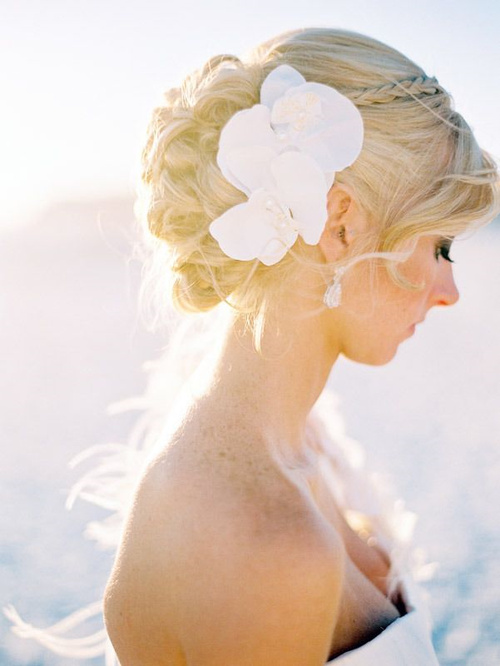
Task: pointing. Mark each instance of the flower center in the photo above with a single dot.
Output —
(299, 111)
(283, 220)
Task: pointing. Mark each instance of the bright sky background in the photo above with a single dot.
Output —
(79, 77)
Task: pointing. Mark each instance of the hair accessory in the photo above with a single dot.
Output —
(283, 154)
(333, 293)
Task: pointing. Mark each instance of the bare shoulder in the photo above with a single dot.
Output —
(223, 569)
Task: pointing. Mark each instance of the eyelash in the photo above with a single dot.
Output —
(443, 249)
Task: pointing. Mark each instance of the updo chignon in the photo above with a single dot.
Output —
(420, 172)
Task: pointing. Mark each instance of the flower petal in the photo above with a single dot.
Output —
(329, 179)
(278, 82)
(301, 185)
(249, 166)
(249, 231)
(337, 139)
(276, 249)
(249, 128)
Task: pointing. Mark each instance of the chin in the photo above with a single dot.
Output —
(374, 357)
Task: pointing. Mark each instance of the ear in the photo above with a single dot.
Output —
(345, 221)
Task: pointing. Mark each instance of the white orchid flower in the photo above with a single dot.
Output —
(267, 226)
(321, 132)
(314, 118)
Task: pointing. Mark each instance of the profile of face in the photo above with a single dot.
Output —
(376, 314)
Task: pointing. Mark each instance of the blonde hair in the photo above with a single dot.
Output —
(420, 171)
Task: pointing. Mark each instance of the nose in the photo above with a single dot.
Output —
(445, 290)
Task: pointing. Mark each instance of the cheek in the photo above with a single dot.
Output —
(375, 299)
(379, 317)
(419, 270)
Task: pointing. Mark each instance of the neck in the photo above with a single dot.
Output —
(273, 391)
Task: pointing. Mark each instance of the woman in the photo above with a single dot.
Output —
(322, 214)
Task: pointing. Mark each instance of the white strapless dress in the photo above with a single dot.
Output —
(368, 509)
